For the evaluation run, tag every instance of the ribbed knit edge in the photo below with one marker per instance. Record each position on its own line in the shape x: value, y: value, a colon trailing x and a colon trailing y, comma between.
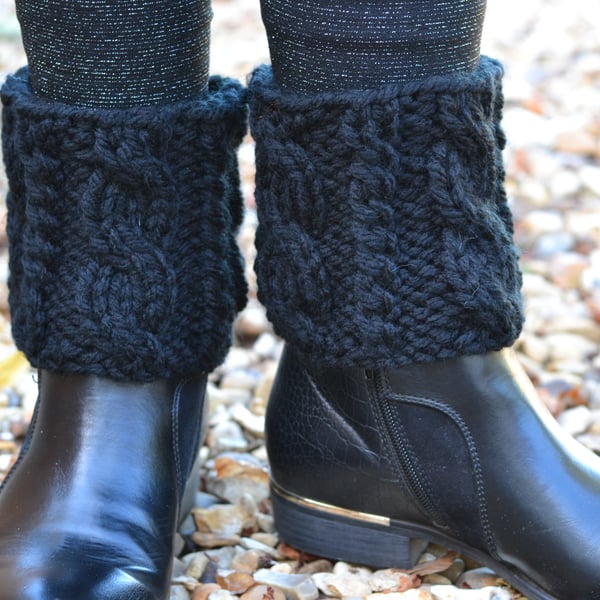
x: 121, y: 224
x: 384, y: 233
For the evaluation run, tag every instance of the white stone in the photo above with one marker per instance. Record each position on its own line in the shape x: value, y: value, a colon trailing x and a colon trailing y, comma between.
x: 222, y: 556
x: 295, y: 587
x: 218, y: 398
x: 343, y: 568
x: 581, y: 326
x: 570, y: 347
x: 549, y: 244
x: 591, y: 389
x: 266, y: 345
x: 544, y: 221
x: 255, y: 424
x: 339, y: 585
x: 576, y: 420
x: 239, y: 379
x: 536, y: 285
x: 266, y: 538
x: 178, y: 592
x: 252, y: 544
x: 448, y: 592
x: 266, y: 522
x: 388, y: 579
x: 221, y: 595
x: 226, y: 436
x: 196, y: 564
x: 226, y: 520
x: 590, y: 176
x: 564, y: 183
x: 252, y: 321
x: 234, y: 475
x: 414, y: 594
x: 238, y: 358
x: 534, y: 347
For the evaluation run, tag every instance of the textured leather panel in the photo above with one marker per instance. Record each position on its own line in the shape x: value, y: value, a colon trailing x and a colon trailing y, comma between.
x: 326, y: 441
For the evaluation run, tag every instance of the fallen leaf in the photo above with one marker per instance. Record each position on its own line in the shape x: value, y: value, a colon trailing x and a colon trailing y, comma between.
x: 434, y: 566
x: 11, y: 368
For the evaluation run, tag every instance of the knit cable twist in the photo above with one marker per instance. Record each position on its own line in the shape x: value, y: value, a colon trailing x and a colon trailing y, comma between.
x: 385, y: 237
x: 121, y: 223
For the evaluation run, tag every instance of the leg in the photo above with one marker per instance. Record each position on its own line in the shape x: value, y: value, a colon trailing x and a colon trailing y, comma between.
x: 409, y: 419
x: 125, y: 278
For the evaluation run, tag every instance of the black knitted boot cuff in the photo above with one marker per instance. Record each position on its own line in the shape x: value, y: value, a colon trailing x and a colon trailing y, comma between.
x: 385, y: 237
x: 121, y: 224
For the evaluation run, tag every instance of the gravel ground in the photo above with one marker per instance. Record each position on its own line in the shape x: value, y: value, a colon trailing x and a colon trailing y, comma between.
x: 552, y: 56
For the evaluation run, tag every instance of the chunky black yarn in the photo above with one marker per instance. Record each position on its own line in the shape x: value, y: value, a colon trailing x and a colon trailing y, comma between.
x: 121, y: 223
x: 385, y: 237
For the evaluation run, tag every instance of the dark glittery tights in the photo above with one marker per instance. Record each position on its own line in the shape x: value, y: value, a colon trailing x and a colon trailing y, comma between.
x: 116, y: 53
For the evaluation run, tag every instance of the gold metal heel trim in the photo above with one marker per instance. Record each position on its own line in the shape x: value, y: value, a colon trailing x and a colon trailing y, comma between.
x: 329, y: 508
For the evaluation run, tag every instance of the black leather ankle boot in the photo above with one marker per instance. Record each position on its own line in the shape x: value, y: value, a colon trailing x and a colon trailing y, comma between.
x: 125, y: 276
x: 386, y: 260
x: 367, y: 462
x: 90, y: 509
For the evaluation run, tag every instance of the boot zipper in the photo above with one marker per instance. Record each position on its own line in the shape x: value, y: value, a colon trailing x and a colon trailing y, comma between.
x: 402, y: 451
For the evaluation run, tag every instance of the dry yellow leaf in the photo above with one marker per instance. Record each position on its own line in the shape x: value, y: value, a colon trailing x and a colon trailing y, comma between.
x: 12, y: 367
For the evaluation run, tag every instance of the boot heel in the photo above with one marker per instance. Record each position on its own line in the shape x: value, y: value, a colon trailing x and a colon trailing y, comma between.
x: 325, y: 530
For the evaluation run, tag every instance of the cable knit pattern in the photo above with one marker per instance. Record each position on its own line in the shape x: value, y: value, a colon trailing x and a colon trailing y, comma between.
x: 385, y: 237
x: 121, y: 223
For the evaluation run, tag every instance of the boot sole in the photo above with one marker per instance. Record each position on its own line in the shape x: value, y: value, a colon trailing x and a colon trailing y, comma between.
x: 338, y: 533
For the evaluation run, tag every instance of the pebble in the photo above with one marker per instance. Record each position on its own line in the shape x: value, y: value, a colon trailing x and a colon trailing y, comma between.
x: 413, y: 594
x: 252, y: 544
x: 195, y: 564
x: 226, y: 436
x: 390, y: 580
x: 576, y: 420
x: 590, y: 177
x: 178, y: 592
x: 235, y: 475
x: 244, y: 379
x: 250, y: 561
x: 446, y: 592
x: 222, y: 557
x: 339, y: 585
x: 266, y: 522
x: 204, y: 590
x: 252, y: 321
x: 218, y: 398
x: 227, y: 521
x: 455, y: 570
x: 236, y: 582
x: 295, y: 587
x: 534, y: 347
x: 265, y: 538
x: 590, y: 441
x: 255, y: 424
x: 320, y: 565
x: 266, y: 346
x: 569, y: 347
x: 264, y: 592
x: 221, y: 595
x: 477, y: 578
x: 549, y: 244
